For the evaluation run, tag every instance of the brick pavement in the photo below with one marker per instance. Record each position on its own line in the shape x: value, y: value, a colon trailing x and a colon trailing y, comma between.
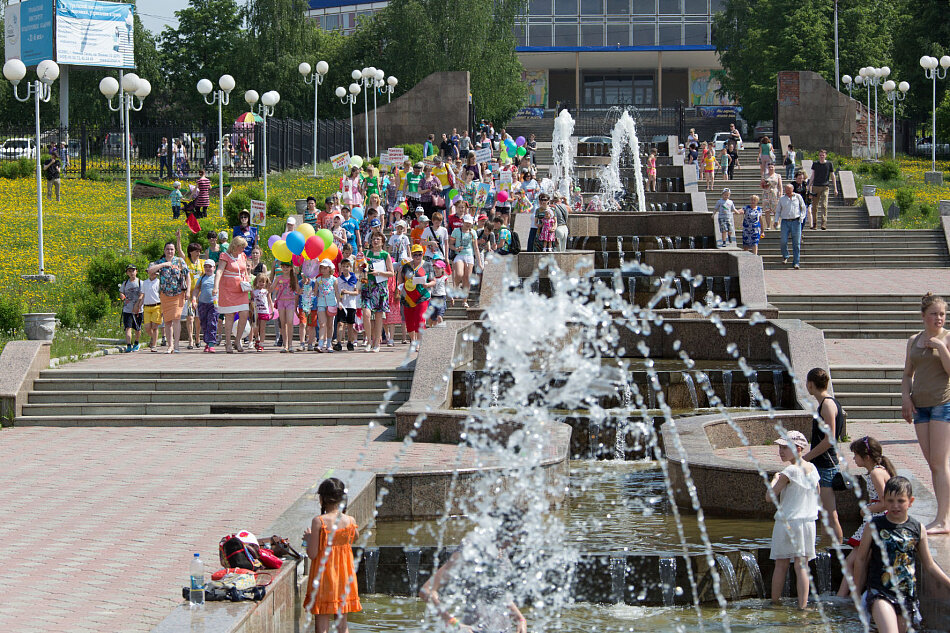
x: 898, y: 281
x: 858, y: 351
x: 103, y: 521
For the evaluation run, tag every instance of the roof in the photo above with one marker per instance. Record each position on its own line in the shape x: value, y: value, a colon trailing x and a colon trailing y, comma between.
x: 326, y: 4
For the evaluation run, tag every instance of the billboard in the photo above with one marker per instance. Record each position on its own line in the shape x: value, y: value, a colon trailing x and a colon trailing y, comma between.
x: 28, y: 31
x: 94, y: 33
x: 704, y: 85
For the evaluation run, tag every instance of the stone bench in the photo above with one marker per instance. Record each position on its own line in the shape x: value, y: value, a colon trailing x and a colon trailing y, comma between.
x: 875, y: 211
x: 847, y: 187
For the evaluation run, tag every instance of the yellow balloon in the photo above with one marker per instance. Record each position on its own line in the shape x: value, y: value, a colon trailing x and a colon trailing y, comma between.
x: 306, y: 230
x: 281, y: 251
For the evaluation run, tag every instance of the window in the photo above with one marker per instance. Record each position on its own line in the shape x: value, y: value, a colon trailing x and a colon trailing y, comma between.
x: 520, y: 33
x: 671, y: 7
x: 539, y: 35
x: 696, y: 34
x: 540, y: 7
x: 644, y: 7
x: 644, y: 34
x: 592, y: 7
x: 609, y: 90
x: 696, y: 7
x: 643, y: 90
x: 618, y: 34
x: 592, y: 34
x: 565, y: 34
x: 565, y: 7
x: 715, y: 6
x: 618, y: 8
x: 331, y: 22
x: 670, y: 34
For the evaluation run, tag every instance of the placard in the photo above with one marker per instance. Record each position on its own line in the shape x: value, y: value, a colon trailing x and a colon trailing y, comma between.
x: 340, y: 160
x: 258, y: 212
x: 483, y: 155
x: 94, y: 33
x: 28, y: 31
x: 396, y: 155
x: 384, y: 160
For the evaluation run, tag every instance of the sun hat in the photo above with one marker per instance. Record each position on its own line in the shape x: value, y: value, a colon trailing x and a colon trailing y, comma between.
x: 795, y: 438
x: 208, y: 262
x: 291, y: 220
x: 326, y: 262
x: 177, y: 184
x: 481, y: 217
x: 374, y: 223
x: 420, y: 210
x: 401, y: 223
x: 418, y: 165
x: 223, y: 236
x: 423, y: 218
x: 131, y: 267
x: 467, y: 219
x: 247, y: 537
x: 417, y: 248
x: 727, y: 190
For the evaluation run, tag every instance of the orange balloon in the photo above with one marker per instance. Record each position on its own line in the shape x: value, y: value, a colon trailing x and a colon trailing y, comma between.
x: 330, y: 253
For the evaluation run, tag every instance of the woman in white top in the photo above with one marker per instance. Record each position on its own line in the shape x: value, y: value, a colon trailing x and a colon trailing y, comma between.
x: 463, y: 243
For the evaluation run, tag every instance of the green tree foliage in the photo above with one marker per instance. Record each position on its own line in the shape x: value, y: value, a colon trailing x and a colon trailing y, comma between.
x: 922, y: 30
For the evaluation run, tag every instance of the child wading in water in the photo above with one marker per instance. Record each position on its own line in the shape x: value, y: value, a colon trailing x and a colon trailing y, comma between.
x: 868, y: 454
x: 891, y: 596
x: 331, y: 586
x: 793, y: 537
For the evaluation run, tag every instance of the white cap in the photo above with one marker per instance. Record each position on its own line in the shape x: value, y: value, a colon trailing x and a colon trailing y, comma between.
x: 467, y: 219
x: 291, y: 220
x: 326, y: 262
x: 223, y: 236
x: 401, y: 223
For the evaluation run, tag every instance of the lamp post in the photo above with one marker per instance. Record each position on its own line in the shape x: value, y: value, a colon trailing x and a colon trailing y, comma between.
x: 929, y: 64
x: 268, y: 101
x: 316, y: 78
x: 846, y: 80
x: 132, y: 87
x: 377, y: 83
x: 837, y: 87
x: 389, y: 88
x: 222, y: 97
x: 350, y: 98
x: 367, y: 77
x: 895, y: 97
x: 46, y: 71
x: 874, y: 77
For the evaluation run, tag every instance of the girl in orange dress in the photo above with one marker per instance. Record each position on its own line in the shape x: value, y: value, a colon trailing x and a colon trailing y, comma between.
x: 331, y: 587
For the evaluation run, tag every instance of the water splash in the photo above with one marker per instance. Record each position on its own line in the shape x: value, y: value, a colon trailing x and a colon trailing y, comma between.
x: 371, y: 563
x: 623, y: 137
x: 618, y: 578
x: 668, y: 579
x: 728, y: 573
x: 752, y: 567
x: 563, y: 148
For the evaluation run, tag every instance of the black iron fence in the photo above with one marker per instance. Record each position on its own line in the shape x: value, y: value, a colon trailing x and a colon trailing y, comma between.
x: 653, y: 123
x: 179, y: 150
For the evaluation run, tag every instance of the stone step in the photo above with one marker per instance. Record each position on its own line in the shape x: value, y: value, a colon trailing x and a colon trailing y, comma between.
x: 819, y: 247
x: 867, y: 372
x: 866, y: 385
x: 910, y: 260
x: 868, y: 333
x: 872, y: 412
x: 237, y: 419
x: 871, y: 399
x: 241, y: 383
x: 214, y: 397
x: 196, y: 408
x: 871, y: 299
x: 876, y: 317
x: 69, y: 373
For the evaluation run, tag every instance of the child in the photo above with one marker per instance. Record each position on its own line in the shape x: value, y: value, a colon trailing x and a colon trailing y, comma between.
x: 893, y: 601
x: 152, y: 309
x: 331, y: 585
x: 502, y: 235
x: 346, y: 317
x: 823, y: 454
x: 326, y: 303
x: 306, y: 302
x: 175, y: 198
x: 726, y: 209
x: 339, y: 233
x: 868, y: 454
x: 284, y: 291
x: 651, y: 171
x: 793, y: 537
x: 263, y: 308
x: 398, y: 244
x: 437, y: 299
x: 790, y: 162
x: 130, y: 291
x: 352, y: 227
x: 752, y: 230
x: 725, y: 164
x: 710, y: 165
x: 547, y: 235
x: 207, y: 311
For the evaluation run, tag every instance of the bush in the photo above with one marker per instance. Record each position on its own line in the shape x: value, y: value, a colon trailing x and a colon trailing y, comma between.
x: 106, y: 271
x: 276, y: 208
x: 93, y: 174
x: 904, y: 197
x: 153, y: 250
x: 926, y: 209
x: 234, y: 204
x: 67, y: 315
x: 92, y: 307
x: 413, y: 151
x: 11, y: 313
x: 19, y: 168
x: 887, y: 170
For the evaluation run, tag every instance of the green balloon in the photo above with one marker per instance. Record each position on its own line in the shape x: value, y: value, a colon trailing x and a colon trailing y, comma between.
x: 521, y: 151
x: 453, y: 193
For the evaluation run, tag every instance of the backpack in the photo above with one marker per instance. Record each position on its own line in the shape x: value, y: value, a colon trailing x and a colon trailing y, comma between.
x: 514, y: 246
x: 233, y: 552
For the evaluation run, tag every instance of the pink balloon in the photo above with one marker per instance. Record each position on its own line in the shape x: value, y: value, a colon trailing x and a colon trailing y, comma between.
x: 271, y: 240
x: 296, y: 260
x: 502, y: 196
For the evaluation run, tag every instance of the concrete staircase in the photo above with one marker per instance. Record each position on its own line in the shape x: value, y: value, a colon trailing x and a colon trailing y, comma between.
x: 80, y: 397
x: 868, y: 392
x: 854, y: 316
x: 867, y: 248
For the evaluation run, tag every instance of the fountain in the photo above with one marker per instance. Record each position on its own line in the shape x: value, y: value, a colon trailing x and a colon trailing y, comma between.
x: 755, y: 573
x: 668, y: 579
x: 563, y: 149
x: 623, y: 137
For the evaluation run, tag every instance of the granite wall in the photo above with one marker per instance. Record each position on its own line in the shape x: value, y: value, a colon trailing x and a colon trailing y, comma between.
x: 813, y: 114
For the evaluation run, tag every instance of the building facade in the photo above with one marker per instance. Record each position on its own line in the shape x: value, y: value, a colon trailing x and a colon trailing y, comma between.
x: 599, y: 53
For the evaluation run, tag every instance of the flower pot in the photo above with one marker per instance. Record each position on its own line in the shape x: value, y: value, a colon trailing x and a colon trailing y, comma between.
x: 869, y: 190
x: 39, y: 326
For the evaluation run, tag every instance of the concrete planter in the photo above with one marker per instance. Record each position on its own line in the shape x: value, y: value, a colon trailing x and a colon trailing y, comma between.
x: 39, y: 326
x: 945, y: 207
x: 869, y: 190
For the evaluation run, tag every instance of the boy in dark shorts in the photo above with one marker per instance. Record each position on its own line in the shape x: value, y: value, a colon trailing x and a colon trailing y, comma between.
x: 349, y: 300
x: 130, y: 292
x: 893, y: 602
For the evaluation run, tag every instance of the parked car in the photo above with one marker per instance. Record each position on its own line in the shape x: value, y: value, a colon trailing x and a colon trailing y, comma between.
x: 112, y: 145
x: 14, y: 148
x: 721, y: 139
x: 596, y: 139
x: 74, y: 147
x: 763, y: 128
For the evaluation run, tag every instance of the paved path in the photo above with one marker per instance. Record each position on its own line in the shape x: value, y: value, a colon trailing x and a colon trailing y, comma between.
x: 899, y: 281
x: 102, y: 522
x: 858, y: 351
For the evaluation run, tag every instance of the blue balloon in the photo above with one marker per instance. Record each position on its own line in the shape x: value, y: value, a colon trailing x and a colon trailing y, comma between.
x: 296, y: 242
x: 357, y: 212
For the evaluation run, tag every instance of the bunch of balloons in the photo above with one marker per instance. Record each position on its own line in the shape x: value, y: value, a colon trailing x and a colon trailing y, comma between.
x: 516, y: 147
x: 302, y: 244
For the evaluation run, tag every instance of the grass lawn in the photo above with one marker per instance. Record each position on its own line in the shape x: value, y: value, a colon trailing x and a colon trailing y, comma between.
x: 91, y: 217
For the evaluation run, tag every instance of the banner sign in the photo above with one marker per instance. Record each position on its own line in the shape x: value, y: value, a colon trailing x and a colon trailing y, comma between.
x: 340, y: 160
x: 483, y: 155
x: 258, y: 212
x: 717, y: 112
x: 530, y: 113
x: 28, y: 31
x: 94, y: 33
x: 396, y: 155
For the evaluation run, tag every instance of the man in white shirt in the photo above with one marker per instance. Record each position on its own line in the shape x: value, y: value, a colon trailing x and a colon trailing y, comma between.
x: 791, y: 211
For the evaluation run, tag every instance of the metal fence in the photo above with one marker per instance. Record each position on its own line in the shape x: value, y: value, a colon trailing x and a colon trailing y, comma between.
x: 179, y: 150
x: 654, y: 122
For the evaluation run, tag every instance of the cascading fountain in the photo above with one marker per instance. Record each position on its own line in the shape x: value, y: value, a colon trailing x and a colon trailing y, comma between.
x: 623, y: 137
x: 563, y: 150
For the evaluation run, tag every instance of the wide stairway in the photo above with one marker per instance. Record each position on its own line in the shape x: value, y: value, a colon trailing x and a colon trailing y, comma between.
x: 214, y: 397
x: 868, y: 392
x: 854, y: 316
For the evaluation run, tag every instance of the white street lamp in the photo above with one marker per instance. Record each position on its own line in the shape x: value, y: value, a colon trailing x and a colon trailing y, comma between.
x: 895, y: 97
x: 389, y: 88
x: 222, y: 97
x: 132, y: 89
x: 929, y: 64
x: 367, y: 76
x: 846, y: 80
x: 350, y: 98
x: 377, y: 84
x: 316, y: 78
x: 266, y: 108
x: 46, y: 71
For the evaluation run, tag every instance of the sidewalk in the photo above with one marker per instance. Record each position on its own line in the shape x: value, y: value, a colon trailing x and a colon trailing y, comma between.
x: 881, y: 281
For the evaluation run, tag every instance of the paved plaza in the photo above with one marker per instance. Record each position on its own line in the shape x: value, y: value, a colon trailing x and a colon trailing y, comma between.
x: 880, y: 281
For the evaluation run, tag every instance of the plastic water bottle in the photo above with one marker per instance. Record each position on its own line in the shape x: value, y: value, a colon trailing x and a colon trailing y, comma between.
x: 197, y: 593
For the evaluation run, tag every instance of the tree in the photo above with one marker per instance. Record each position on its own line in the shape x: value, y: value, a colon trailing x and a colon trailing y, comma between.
x: 922, y: 30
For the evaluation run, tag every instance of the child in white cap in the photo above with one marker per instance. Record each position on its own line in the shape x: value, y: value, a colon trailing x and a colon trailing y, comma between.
x: 327, y: 303
x: 793, y: 537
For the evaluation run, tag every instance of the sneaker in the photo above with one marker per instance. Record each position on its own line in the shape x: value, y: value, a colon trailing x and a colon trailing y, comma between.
x: 318, y: 348
x: 390, y: 343
x: 329, y: 349
x: 785, y: 261
x: 797, y: 266
x: 210, y: 349
x: 128, y: 348
x: 135, y: 347
x: 338, y: 347
x: 376, y: 349
x: 309, y: 347
x: 349, y: 346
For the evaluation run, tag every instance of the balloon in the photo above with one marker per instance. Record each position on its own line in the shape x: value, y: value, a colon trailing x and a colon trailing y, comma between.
x: 502, y: 196
x: 519, y: 141
x: 281, y: 252
x: 313, y: 247
x: 357, y: 212
x: 284, y: 235
x: 330, y: 253
x: 326, y: 236
x: 295, y: 242
x: 297, y: 260
x: 510, y: 146
x: 356, y: 161
x: 306, y: 230
x: 271, y: 240
x: 247, y: 329
x: 453, y: 193
x: 521, y: 151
